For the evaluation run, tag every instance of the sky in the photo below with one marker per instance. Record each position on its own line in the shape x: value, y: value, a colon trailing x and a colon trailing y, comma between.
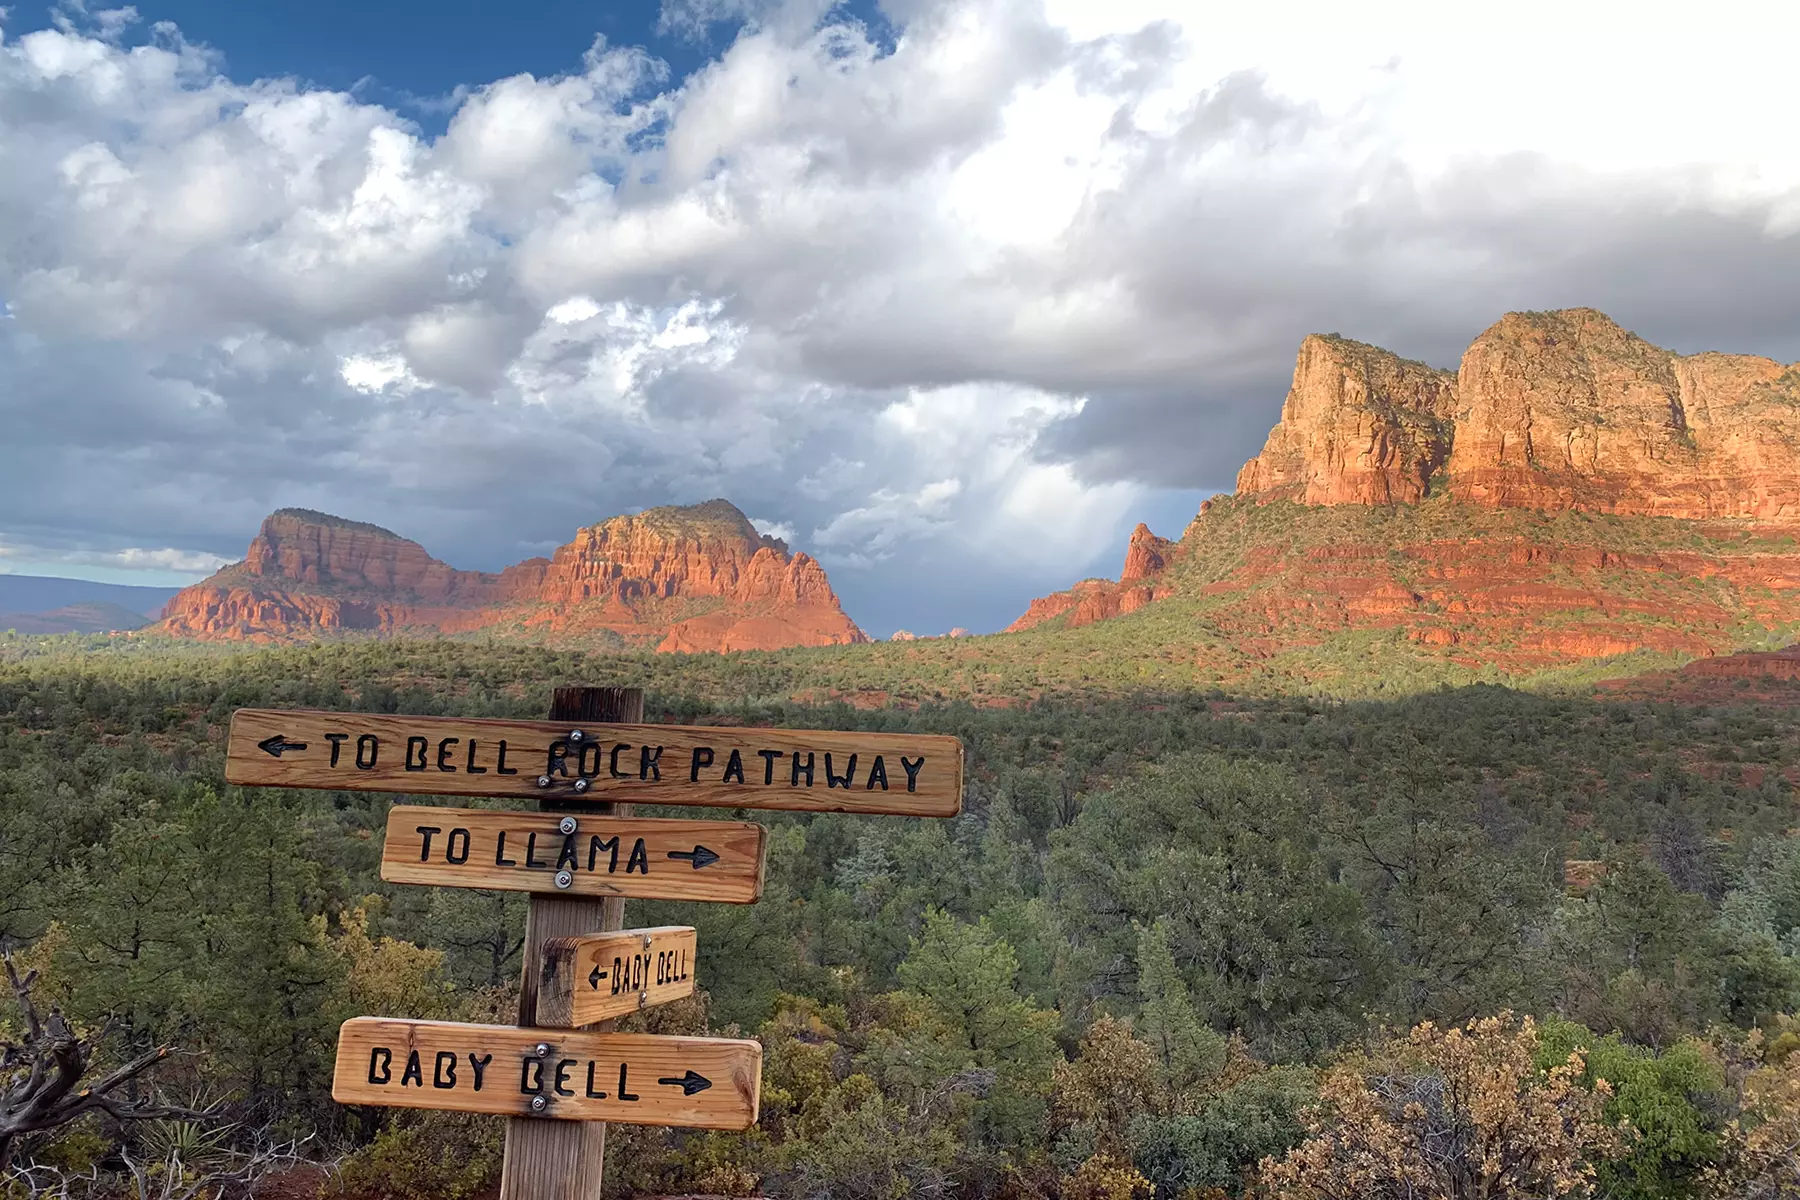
x: 948, y: 293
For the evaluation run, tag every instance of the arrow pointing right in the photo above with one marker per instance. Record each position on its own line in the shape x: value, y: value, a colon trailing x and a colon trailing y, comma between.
x: 699, y: 856
x: 690, y: 1083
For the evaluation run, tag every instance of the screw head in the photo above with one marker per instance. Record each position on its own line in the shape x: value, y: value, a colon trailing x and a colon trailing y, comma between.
x: 564, y: 879
x: 543, y: 781
x: 567, y: 825
x: 539, y: 1104
x: 543, y: 1049
x: 646, y: 941
x: 575, y: 735
x: 643, y: 999
x: 581, y: 785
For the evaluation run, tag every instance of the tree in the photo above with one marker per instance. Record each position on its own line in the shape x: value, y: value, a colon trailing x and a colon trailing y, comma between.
x: 1670, y: 1101
x: 44, y: 1074
x: 969, y: 975
x: 1107, y: 1086
x: 1763, y: 1141
x: 1450, y: 1114
x: 1227, y: 855
x: 1453, y: 912
x: 1188, y: 1052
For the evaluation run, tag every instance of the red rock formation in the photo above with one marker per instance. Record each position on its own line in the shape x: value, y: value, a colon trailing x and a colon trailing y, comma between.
x: 1549, y: 410
x: 1567, y: 410
x: 1146, y: 558
x: 683, y: 579
x: 1359, y: 426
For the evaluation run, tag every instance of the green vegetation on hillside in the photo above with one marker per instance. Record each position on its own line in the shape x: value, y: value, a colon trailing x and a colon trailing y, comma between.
x: 1167, y: 926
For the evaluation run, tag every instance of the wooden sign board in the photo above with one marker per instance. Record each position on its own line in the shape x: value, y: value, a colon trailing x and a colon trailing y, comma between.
x: 912, y: 775
x: 574, y: 854
x: 636, y: 1079
x: 607, y: 975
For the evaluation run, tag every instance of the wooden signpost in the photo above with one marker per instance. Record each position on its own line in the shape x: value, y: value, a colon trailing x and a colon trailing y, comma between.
x: 710, y: 1083
x: 585, y: 980
x: 575, y: 853
x: 827, y: 771
x: 561, y: 1072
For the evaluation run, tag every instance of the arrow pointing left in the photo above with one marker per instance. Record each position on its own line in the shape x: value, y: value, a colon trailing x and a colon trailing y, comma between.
x: 594, y: 978
x: 690, y: 1083
x: 273, y: 746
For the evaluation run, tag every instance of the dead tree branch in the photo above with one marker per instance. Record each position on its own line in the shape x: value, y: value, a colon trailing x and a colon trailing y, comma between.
x: 41, y: 1076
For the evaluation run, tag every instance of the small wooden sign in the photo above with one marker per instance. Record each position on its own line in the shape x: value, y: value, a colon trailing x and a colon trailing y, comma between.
x: 574, y: 854
x: 606, y: 975
x: 919, y: 775
x: 637, y: 1079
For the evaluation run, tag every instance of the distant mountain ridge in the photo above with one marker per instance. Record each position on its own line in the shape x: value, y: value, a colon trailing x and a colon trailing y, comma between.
x: 97, y: 617
x: 37, y: 594
x: 698, y: 577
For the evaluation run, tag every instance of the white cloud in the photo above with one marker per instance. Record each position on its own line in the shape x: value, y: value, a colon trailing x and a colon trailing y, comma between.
x: 780, y: 530
x: 968, y: 301
x: 193, y: 564
x: 375, y: 373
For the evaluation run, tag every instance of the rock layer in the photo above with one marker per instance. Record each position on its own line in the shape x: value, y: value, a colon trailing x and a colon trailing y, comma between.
x: 1567, y: 410
x: 681, y: 579
x: 1548, y: 410
x: 1147, y: 557
x: 1359, y: 426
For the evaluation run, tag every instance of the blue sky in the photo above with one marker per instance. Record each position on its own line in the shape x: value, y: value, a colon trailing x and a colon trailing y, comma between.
x: 950, y: 293
x: 414, y: 55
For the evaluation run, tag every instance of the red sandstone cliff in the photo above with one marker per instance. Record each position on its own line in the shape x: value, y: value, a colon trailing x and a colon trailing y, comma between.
x: 1549, y: 410
x: 1567, y: 410
x: 681, y: 579
x: 1359, y: 426
x: 1461, y: 551
x: 1146, y: 558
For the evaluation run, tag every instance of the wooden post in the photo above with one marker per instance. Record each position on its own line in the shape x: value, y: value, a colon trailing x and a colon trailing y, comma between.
x: 563, y: 1160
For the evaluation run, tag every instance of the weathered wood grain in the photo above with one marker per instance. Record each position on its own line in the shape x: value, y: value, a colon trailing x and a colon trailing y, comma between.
x: 608, y: 975
x: 819, y: 771
x: 604, y: 856
x: 565, y: 1160
x: 637, y: 1079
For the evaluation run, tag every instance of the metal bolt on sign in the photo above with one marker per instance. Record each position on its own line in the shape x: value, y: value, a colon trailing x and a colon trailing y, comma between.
x: 564, y: 879
x: 567, y: 825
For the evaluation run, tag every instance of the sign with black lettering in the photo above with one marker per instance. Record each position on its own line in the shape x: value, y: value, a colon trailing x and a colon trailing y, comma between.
x: 918, y: 775
x: 604, y: 975
x: 574, y: 853
x: 571, y: 1075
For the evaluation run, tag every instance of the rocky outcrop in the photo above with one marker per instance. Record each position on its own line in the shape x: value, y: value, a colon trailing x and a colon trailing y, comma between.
x: 1565, y: 410
x: 322, y: 551
x: 682, y: 579
x: 1147, y: 557
x: 1430, y: 510
x: 1548, y: 410
x: 1359, y: 426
